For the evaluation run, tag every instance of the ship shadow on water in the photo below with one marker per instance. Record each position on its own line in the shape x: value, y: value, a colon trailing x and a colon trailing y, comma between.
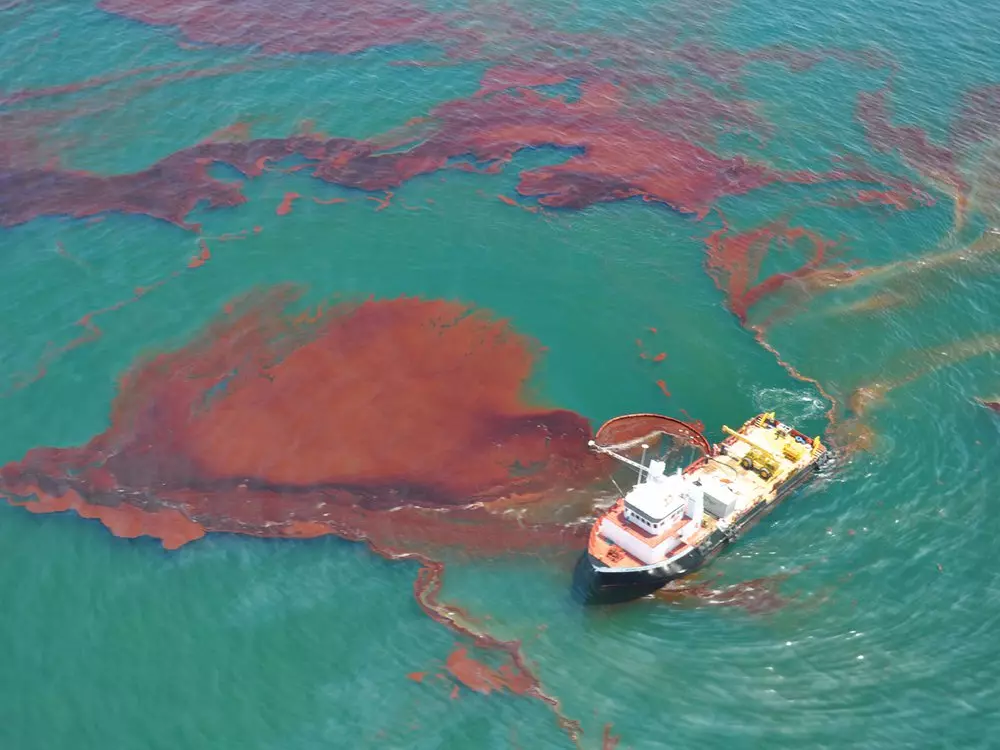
x: 757, y: 596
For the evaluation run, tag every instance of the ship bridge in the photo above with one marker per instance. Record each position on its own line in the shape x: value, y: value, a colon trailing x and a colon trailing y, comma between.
x: 658, y: 515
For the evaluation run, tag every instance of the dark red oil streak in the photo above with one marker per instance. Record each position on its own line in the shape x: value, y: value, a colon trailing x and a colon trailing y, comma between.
x: 518, y: 678
x: 993, y: 405
x: 623, y: 155
x: 621, y: 159
x: 939, y: 164
x: 978, y: 118
x: 90, y: 334
x: 975, y: 124
x: 757, y: 596
x: 285, y: 207
x: 503, y: 77
x: 61, y: 249
x: 609, y: 741
x: 22, y: 95
x: 203, y: 256
x: 734, y: 260
x: 895, y: 199
x: 118, y: 95
x: 910, y: 141
x: 339, y: 27
x: 91, y: 331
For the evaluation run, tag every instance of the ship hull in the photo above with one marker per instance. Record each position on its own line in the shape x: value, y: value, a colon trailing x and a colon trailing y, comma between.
x: 594, y: 583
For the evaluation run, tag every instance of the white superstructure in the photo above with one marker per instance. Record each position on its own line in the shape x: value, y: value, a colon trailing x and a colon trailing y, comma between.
x: 668, y: 508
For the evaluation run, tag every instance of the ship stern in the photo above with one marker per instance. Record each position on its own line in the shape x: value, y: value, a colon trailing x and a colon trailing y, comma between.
x: 595, y: 584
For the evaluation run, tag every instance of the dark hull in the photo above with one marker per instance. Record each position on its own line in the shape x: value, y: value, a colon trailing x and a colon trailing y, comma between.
x: 595, y: 584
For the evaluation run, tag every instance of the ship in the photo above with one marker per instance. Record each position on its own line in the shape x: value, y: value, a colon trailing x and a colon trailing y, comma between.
x: 669, y: 525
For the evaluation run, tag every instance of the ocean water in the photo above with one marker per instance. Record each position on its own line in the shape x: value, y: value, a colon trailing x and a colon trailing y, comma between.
x: 891, y: 598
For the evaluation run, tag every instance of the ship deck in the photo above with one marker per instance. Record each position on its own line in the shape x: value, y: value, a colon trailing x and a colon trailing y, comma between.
x: 749, y: 484
x: 610, y: 554
x: 726, y: 468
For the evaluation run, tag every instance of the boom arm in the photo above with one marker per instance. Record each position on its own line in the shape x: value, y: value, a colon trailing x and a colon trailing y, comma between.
x: 623, y: 459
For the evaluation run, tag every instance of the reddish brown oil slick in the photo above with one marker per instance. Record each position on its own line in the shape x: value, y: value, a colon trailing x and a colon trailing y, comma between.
x: 171, y: 527
x: 478, y: 677
x: 978, y: 117
x: 343, y: 27
x: 383, y: 202
x: 936, y: 163
x: 526, y: 52
x: 899, y: 200
x: 169, y: 190
x: 412, y: 404
x: 609, y: 741
x: 61, y: 249
x: 993, y: 405
x: 415, y: 407
x: 22, y: 95
x: 285, y: 207
x: 976, y: 124
x: 659, y: 357
x: 734, y: 261
x: 427, y: 589
x: 202, y: 257
x: 504, y: 77
x: 757, y: 596
x: 855, y: 434
x: 365, y: 420
x: 91, y: 332
x: 911, y: 142
x: 32, y: 137
x: 632, y: 145
x: 621, y: 157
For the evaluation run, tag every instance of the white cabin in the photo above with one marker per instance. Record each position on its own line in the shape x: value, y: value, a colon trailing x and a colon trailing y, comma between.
x: 655, y: 505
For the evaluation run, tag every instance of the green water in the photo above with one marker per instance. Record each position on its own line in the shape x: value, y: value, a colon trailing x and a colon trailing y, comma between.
x: 232, y: 642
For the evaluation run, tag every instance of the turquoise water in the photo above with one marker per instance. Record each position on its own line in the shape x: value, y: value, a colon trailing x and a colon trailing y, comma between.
x: 236, y: 642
